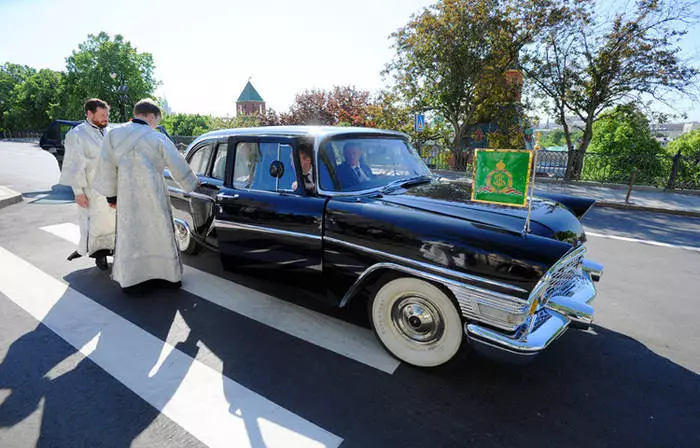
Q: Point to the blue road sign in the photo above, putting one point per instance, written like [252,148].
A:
[419,123]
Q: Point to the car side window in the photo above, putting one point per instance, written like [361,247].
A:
[255,163]
[218,170]
[200,159]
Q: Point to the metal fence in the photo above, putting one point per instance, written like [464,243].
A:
[20,135]
[662,171]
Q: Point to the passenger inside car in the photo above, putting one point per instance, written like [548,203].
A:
[354,169]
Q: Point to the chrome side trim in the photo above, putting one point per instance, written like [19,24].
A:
[262,229]
[420,264]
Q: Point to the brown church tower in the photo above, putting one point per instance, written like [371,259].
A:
[250,102]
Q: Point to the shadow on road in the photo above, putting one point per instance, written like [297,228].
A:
[590,388]
[82,405]
[595,388]
[57,194]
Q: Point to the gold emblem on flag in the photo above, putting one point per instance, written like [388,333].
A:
[500,181]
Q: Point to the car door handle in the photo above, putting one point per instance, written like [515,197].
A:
[226,197]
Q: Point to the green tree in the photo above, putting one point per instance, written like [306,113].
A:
[557,138]
[11,76]
[187,124]
[36,101]
[588,64]
[622,142]
[452,57]
[110,69]
[387,111]
[688,145]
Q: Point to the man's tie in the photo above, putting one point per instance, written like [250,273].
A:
[358,173]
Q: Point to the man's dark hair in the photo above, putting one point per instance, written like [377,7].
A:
[307,151]
[93,104]
[145,107]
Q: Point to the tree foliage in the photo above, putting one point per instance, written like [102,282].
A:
[587,64]
[451,58]
[688,145]
[29,99]
[340,106]
[557,138]
[187,124]
[622,142]
[100,67]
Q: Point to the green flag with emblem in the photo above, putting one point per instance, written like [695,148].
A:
[501,176]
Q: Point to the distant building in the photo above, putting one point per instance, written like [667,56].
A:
[250,102]
[673,130]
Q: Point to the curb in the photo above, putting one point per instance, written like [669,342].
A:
[643,208]
[9,197]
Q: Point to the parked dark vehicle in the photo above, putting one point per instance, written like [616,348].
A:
[54,137]
[435,269]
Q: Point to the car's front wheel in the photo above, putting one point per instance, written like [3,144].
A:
[185,241]
[416,322]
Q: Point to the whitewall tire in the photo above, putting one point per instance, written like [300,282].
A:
[185,242]
[416,322]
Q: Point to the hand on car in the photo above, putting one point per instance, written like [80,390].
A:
[82,201]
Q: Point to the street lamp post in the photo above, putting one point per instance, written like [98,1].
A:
[123,97]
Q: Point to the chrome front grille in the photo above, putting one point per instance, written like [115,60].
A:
[509,312]
[562,277]
[499,310]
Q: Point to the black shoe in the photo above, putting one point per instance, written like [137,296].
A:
[101,263]
[74,255]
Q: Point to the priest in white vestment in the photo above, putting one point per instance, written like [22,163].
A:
[96,219]
[130,175]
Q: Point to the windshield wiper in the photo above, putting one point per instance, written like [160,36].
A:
[406,182]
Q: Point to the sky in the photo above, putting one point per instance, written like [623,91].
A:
[206,50]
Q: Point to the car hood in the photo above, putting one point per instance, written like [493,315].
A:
[549,218]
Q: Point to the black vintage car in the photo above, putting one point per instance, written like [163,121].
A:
[371,223]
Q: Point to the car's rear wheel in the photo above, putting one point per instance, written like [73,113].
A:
[416,322]
[185,241]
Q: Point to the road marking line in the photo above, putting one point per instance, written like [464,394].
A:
[212,407]
[341,337]
[649,242]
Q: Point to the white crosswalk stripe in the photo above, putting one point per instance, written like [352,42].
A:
[332,334]
[213,408]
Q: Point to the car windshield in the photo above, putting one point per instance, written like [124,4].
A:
[356,164]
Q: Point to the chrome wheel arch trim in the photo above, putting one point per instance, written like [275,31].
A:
[419,274]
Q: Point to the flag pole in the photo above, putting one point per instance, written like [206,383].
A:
[533,173]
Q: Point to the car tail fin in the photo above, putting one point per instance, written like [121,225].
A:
[578,206]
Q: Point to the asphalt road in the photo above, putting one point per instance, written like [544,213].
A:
[632,380]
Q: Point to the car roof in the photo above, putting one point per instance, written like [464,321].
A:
[295,131]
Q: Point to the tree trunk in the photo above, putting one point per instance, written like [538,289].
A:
[461,157]
[577,164]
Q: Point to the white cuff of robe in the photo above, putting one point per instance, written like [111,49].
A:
[78,191]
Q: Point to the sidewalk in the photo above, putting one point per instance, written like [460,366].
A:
[642,198]
[9,197]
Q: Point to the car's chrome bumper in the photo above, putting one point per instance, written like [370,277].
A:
[543,327]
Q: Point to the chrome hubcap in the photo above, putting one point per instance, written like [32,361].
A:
[417,319]
[183,236]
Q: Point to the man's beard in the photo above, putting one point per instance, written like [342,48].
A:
[100,124]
